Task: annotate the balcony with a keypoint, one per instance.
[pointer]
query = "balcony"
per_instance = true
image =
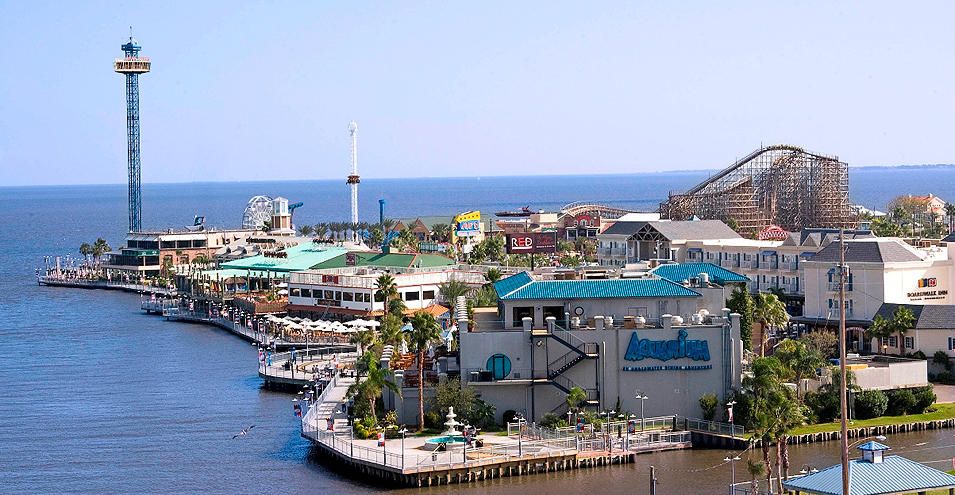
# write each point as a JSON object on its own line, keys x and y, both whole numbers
{"x": 751, "y": 264}
{"x": 612, "y": 252}
{"x": 769, "y": 265}
{"x": 792, "y": 266}
{"x": 729, "y": 263}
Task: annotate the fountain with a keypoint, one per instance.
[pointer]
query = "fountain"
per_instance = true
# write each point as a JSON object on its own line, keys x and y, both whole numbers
{"x": 451, "y": 437}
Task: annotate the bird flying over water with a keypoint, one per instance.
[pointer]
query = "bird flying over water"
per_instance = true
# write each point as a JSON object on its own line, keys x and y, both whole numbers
{"x": 243, "y": 432}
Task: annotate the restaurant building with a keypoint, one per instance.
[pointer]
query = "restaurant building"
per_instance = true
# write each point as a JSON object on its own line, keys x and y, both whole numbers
{"x": 668, "y": 341}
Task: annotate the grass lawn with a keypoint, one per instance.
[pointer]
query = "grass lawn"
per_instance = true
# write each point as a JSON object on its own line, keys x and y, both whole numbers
{"x": 943, "y": 411}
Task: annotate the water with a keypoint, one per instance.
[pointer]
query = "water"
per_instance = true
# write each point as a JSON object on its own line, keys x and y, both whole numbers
{"x": 101, "y": 398}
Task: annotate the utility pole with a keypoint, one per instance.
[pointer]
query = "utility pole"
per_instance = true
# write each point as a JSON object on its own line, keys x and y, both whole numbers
{"x": 844, "y": 438}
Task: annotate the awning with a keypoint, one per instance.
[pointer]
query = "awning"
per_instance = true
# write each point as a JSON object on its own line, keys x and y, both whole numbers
{"x": 769, "y": 253}
{"x": 806, "y": 255}
{"x": 694, "y": 250}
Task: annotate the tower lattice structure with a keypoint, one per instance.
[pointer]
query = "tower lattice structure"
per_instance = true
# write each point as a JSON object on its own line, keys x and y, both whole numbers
{"x": 132, "y": 65}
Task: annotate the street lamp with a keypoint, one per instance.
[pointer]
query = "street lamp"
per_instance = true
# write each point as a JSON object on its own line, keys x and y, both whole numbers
{"x": 631, "y": 420}
{"x": 642, "y": 398}
{"x": 732, "y": 461}
{"x": 729, "y": 411}
{"x": 403, "y": 431}
{"x": 607, "y": 430}
{"x": 520, "y": 433}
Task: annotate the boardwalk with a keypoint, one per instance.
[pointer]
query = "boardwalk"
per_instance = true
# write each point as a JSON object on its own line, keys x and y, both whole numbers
{"x": 79, "y": 283}
{"x": 410, "y": 461}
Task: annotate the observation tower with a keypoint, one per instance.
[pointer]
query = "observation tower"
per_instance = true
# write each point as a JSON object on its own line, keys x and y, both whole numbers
{"x": 132, "y": 65}
{"x": 353, "y": 178}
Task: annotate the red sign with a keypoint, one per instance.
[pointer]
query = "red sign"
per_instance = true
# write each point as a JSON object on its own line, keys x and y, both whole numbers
{"x": 772, "y": 233}
{"x": 532, "y": 242}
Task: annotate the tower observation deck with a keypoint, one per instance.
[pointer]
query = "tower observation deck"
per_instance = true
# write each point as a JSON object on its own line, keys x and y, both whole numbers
{"x": 132, "y": 65}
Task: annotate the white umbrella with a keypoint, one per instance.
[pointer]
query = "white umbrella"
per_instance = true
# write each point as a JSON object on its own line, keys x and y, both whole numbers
{"x": 373, "y": 323}
{"x": 355, "y": 323}
{"x": 283, "y": 292}
{"x": 283, "y": 284}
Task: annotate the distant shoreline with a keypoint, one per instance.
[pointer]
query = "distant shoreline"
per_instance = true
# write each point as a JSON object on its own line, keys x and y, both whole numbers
{"x": 703, "y": 172}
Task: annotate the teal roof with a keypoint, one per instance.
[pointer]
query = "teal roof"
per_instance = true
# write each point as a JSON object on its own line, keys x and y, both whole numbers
{"x": 300, "y": 257}
{"x": 594, "y": 289}
{"x": 510, "y": 284}
{"x": 679, "y": 272}
{"x": 895, "y": 474}
{"x": 393, "y": 260}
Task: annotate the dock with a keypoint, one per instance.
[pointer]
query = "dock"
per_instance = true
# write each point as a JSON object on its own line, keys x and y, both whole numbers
{"x": 409, "y": 462}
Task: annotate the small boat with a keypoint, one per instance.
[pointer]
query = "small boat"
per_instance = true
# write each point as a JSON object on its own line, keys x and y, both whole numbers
{"x": 524, "y": 212}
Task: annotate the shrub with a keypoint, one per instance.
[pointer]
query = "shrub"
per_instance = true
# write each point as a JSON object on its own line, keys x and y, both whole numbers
{"x": 549, "y": 420}
{"x": 924, "y": 398}
{"x": 945, "y": 378}
{"x": 432, "y": 419}
{"x": 366, "y": 427}
{"x": 900, "y": 402}
{"x": 941, "y": 357}
{"x": 708, "y": 403}
{"x": 824, "y": 405}
{"x": 870, "y": 404}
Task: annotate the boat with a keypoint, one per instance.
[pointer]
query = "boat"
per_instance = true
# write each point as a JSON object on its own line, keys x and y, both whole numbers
{"x": 524, "y": 212}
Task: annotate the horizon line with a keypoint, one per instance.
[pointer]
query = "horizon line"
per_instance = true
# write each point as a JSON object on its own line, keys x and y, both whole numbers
{"x": 597, "y": 174}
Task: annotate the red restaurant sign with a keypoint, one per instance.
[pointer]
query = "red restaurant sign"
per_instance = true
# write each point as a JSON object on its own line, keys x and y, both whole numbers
{"x": 532, "y": 242}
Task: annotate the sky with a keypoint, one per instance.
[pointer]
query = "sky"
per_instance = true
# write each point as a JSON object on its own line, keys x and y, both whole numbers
{"x": 243, "y": 91}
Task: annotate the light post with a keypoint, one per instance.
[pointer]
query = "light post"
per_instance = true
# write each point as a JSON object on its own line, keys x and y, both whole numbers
{"x": 607, "y": 430}
{"x": 632, "y": 420}
{"x": 732, "y": 461}
{"x": 729, "y": 412}
{"x": 403, "y": 431}
{"x": 569, "y": 414}
{"x": 520, "y": 433}
{"x": 642, "y": 398}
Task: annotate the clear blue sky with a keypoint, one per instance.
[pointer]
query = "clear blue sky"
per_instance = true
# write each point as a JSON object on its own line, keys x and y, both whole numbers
{"x": 251, "y": 91}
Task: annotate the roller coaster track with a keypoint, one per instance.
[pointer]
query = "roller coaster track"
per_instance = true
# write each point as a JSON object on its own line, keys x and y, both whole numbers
{"x": 604, "y": 211}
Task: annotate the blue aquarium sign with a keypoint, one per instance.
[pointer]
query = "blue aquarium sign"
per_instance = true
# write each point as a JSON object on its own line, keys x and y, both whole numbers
{"x": 665, "y": 350}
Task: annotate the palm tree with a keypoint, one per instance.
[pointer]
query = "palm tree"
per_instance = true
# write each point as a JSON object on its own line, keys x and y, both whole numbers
{"x": 575, "y": 397}
{"x": 387, "y": 288}
{"x": 321, "y": 230}
{"x": 902, "y": 321}
{"x": 788, "y": 415}
{"x": 441, "y": 232}
{"x": 424, "y": 331}
{"x": 756, "y": 470}
{"x": 364, "y": 339}
{"x": 86, "y": 250}
{"x": 770, "y": 312}
{"x": 391, "y": 333}
{"x": 388, "y": 224}
{"x": 375, "y": 236}
{"x": 800, "y": 361}
{"x": 374, "y": 382}
{"x": 492, "y": 275}
{"x": 765, "y": 387}
{"x": 452, "y": 289}
{"x": 305, "y": 230}
{"x": 880, "y": 328}
{"x": 408, "y": 241}
{"x": 950, "y": 212}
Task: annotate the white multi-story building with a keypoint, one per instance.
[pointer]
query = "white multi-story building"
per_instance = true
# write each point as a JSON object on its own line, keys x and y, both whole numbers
{"x": 350, "y": 292}
{"x": 769, "y": 264}
{"x": 882, "y": 273}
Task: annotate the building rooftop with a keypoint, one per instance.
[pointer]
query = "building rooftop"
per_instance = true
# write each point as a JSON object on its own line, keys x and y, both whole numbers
{"x": 875, "y": 250}
{"x": 295, "y": 258}
{"x": 929, "y": 316}
{"x": 677, "y": 230}
{"x": 895, "y": 474}
{"x": 392, "y": 260}
{"x": 521, "y": 286}
{"x": 678, "y": 272}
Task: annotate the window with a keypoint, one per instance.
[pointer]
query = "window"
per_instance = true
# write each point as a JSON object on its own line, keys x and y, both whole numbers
{"x": 306, "y": 292}
{"x": 366, "y": 297}
{"x": 347, "y": 296}
{"x": 329, "y": 294}
{"x": 910, "y": 342}
{"x": 295, "y": 292}
{"x": 951, "y": 343}
{"x": 428, "y": 294}
{"x": 338, "y": 295}
{"x": 893, "y": 341}
{"x": 379, "y": 297}
{"x": 499, "y": 365}
{"x": 412, "y": 296}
